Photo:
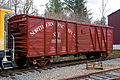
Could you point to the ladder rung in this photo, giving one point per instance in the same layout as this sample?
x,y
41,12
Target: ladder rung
x,y
8,67
6,61
7,50
8,56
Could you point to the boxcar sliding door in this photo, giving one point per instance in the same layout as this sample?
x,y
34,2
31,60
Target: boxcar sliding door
x,y
83,38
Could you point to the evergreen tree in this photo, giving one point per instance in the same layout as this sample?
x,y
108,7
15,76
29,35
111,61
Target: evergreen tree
x,y
54,6
55,9
74,10
78,11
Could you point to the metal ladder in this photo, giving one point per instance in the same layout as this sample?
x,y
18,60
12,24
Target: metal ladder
x,y
8,60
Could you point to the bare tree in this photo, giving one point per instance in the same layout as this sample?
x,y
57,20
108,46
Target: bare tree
x,y
4,3
16,4
20,6
27,5
103,11
34,11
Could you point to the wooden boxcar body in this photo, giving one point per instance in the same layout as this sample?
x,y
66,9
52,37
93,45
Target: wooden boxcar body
x,y
40,36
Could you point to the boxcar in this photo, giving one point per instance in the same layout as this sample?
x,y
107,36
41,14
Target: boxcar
x,y
38,38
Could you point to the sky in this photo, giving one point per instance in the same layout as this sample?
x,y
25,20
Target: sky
x,y
96,5
93,5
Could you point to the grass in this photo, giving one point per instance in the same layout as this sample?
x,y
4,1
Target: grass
x,y
115,52
58,58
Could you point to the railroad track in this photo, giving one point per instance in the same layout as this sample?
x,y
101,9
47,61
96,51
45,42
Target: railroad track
x,y
75,62
113,74
25,70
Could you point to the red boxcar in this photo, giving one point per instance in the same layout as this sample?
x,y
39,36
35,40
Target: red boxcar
x,y
40,36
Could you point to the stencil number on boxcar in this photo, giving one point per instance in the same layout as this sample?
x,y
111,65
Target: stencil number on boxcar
x,y
58,34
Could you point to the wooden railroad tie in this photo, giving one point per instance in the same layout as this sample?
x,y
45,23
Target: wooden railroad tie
x,y
94,65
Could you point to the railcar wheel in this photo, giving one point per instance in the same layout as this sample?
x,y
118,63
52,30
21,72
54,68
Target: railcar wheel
x,y
20,62
104,55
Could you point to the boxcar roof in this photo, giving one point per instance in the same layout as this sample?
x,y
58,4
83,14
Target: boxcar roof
x,y
74,22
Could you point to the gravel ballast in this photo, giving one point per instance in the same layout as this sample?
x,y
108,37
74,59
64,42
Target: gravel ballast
x,y
63,72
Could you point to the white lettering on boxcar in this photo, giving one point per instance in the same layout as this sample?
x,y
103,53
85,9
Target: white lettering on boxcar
x,y
58,34
54,41
54,34
74,35
60,25
70,31
36,30
63,49
41,27
52,48
49,24
58,41
32,33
